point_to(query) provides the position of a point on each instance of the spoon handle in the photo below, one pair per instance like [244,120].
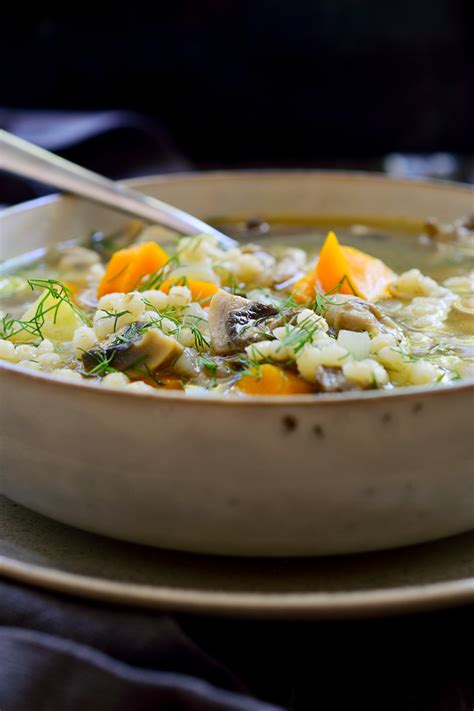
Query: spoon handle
[25,159]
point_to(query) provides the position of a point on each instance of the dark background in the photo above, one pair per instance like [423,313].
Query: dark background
[255,82]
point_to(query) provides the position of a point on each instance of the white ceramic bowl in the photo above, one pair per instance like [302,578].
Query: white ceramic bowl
[269,476]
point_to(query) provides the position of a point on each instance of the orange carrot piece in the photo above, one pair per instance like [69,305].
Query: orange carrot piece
[369,275]
[163,382]
[333,266]
[304,289]
[201,291]
[127,267]
[272,380]
[350,270]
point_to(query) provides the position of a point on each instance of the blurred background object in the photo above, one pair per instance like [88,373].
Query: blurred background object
[132,89]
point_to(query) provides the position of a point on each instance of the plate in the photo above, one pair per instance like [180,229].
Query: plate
[39,551]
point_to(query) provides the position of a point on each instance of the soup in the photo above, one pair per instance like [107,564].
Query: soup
[292,310]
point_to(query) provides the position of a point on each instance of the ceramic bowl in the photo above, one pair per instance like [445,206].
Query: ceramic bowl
[291,476]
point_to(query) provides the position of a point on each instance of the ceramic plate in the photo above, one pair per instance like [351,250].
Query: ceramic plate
[36,550]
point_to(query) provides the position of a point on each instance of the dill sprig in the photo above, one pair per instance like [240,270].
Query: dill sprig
[322,301]
[156,278]
[6,326]
[180,322]
[209,365]
[297,337]
[53,290]
[103,366]
[115,315]
[439,350]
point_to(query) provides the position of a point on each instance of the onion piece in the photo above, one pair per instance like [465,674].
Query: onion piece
[356,342]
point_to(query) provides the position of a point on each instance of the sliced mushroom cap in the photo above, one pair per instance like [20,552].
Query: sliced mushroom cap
[235,322]
[354,314]
[133,347]
[331,380]
[286,317]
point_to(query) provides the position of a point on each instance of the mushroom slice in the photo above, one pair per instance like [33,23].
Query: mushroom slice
[331,380]
[354,314]
[133,347]
[235,322]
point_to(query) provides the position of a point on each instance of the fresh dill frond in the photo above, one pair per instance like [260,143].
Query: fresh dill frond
[103,366]
[55,291]
[209,365]
[6,326]
[296,338]
[156,278]
[439,350]
[115,315]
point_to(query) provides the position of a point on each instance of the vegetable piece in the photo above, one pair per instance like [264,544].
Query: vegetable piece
[132,349]
[357,273]
[50,316]
[12,286]
[159,381]
[129,266]
[369,275]
[345,313]
[235,322]
[270,380]
[201,291]
[304,290]
[332,268]
[345,270]
[357,343]
[168,382]
[330,380]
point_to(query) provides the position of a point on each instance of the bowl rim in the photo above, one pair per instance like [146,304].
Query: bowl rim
[274,173]
[354,397]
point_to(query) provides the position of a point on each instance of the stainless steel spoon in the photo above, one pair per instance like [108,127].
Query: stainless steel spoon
[25,159]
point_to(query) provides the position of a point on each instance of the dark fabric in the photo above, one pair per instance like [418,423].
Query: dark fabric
[46,674]
[59,650]
[57,654]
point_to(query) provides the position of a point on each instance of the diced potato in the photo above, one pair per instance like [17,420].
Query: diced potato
[57,320]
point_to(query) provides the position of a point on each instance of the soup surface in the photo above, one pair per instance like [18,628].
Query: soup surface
[291,310]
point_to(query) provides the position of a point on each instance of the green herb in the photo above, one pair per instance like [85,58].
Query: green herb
[54,290]
[115,315]
[439,350]
[187,321]
[297,337]
[156,279]
[6,326]
[210,366]
[103,366]
[132,332]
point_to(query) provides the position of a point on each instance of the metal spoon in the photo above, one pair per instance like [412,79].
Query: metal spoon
[25,159]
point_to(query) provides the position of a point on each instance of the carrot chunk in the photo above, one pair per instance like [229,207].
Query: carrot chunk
[304,289]
[346,270]
[271,380]
[332,267]
[127,267]
[201,291]
[369,275]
